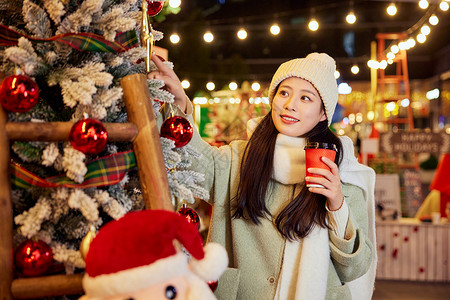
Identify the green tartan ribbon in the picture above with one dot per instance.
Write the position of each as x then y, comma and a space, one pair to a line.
83, 41
104, 171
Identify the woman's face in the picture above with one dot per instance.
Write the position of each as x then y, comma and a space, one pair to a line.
296, 107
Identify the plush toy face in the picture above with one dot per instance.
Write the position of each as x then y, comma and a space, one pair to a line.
174, 288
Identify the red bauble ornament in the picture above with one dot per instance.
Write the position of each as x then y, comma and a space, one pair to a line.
190, 215
177, 129
88, 136
33, 258
19, 93
213, 285
154, 7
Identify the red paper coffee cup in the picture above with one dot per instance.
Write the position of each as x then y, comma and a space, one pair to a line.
314, 151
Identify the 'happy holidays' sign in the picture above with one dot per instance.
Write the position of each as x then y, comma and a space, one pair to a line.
415, 142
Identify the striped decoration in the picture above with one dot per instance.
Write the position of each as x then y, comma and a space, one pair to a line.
108, 170
83, 41
411, 250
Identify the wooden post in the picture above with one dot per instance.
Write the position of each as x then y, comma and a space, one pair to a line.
48, 286
147, 145
6, 214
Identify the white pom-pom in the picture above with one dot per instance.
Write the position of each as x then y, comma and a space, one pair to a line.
213, 264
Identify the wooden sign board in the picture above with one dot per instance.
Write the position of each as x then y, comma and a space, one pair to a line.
415, 142
387, 197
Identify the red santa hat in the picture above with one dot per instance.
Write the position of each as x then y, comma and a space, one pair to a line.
138, 251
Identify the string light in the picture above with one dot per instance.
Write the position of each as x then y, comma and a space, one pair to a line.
443, 6
337, 74
174, 3
421, 38
434, 20
233, 86
210, 86
351, 18
242, 34
275, 29
425, 30
208, 37
391, 9
174, 38
313, 25
423, 4
355, 69
185, 84
256, 86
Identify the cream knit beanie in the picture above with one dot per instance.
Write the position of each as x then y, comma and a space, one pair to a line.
318, 69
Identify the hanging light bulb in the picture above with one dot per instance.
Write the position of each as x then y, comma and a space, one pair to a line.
390, 55
174, 38
351, 18
275, 29
423, 4
210, 86
395, 49
425, 29
242, 34
434, 20
355, 69
185, 84
443, 6
391, 9
411, 43
208, 36
421, 38
233, 86
313, 25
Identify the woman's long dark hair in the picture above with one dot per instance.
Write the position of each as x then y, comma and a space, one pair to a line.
296, 220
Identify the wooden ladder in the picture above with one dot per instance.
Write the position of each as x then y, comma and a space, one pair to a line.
399, 83
141, 130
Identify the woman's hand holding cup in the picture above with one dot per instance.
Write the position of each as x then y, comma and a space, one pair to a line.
322, 174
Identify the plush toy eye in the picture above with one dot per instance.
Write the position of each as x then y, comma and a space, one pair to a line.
171, 292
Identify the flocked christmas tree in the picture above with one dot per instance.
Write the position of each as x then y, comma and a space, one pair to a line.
76, 52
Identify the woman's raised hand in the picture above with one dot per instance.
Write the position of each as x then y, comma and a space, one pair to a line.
173, 84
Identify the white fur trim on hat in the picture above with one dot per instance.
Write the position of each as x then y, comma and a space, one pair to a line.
213, 264
318, 69
135, 279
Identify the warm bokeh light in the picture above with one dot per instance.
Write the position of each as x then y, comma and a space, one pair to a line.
256, 86
233, 86
423, 4
275, 29
434, 20
421, 38
351, 18
208, 37
425, 29
411, 43
174, 38
174, 3
395, 49
390, 55
391, 9
355, 69
242, 34
210, 86
313, 25
185, 84
337, 74
373, 64
443, 6
370, 115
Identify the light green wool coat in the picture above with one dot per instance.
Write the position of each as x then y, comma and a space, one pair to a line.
256, 251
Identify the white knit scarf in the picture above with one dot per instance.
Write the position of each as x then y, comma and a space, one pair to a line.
306, 265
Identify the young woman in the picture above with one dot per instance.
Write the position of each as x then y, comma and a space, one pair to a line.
284, 240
